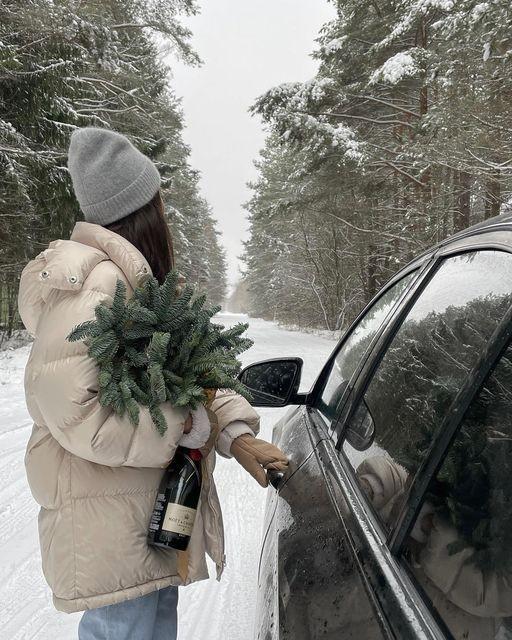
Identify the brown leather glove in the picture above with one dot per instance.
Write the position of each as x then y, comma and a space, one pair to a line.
256, 456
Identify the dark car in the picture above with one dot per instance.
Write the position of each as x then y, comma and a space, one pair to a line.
395, 517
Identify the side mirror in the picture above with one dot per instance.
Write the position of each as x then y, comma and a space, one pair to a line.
273, 383
361, 430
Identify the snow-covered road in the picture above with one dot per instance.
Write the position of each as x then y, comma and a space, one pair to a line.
208, 610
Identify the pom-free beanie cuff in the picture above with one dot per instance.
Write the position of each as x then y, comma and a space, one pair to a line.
131, 198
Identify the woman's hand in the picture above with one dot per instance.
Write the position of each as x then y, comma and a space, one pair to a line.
196, 431
256, 456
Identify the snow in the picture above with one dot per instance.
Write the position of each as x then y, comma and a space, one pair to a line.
487, 51
214, 610
333, 46
479, 10
299, 95
399, 66
443, 5
413, 11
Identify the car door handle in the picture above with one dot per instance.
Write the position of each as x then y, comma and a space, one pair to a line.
275, 477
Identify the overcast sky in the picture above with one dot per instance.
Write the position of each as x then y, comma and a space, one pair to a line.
247, 47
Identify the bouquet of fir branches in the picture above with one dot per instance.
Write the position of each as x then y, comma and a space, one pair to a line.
161, 345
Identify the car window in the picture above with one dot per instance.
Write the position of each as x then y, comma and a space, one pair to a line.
460, 549
423, 368
354, 347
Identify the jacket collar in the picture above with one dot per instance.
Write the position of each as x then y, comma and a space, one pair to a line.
122, 252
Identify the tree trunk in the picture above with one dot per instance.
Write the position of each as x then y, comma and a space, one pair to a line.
492, 196
371, 273
461, 215
422, 41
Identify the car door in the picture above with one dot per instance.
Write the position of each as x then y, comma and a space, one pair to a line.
394, 429
309, 585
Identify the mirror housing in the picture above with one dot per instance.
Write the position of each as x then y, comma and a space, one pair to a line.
273, 383
360, 432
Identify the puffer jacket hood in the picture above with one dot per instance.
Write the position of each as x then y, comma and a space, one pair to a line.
66, 264
94, 475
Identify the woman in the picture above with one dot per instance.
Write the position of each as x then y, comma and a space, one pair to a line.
94, 475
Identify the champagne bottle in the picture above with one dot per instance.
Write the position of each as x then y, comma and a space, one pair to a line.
176, 503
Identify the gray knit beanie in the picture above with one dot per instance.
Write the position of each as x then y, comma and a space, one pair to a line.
111, 178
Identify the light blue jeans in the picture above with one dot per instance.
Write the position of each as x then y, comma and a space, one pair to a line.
150, 617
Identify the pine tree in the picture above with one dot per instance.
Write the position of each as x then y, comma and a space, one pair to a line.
402, 137
70, 64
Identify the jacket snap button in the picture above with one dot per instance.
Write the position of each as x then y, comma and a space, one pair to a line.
44, 274
73, 279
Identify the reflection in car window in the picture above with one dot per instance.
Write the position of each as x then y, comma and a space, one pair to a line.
426, 364
461, 544
356, 344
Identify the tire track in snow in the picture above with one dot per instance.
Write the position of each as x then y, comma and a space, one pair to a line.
26, 609
17, 507
19, 596
6, 433
16, 515
10, 467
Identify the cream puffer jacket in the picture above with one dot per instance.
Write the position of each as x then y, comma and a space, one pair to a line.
94, 475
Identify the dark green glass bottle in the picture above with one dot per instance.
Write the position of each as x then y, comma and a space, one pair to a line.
176, 503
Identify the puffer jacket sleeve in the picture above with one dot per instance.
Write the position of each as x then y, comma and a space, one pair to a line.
480, 593
235, 416
61, 387
477, 592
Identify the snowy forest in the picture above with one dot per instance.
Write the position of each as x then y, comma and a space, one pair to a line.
403, 138
104, 63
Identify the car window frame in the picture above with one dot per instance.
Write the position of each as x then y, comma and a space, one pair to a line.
421, 266
379, 346
397, 535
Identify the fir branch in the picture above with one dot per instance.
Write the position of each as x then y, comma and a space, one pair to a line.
160, 345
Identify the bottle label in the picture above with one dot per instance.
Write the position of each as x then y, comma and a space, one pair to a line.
179, 519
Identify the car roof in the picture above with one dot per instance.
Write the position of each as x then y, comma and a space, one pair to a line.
499, 223
492, 224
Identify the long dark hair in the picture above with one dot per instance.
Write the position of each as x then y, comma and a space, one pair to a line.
147, 229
